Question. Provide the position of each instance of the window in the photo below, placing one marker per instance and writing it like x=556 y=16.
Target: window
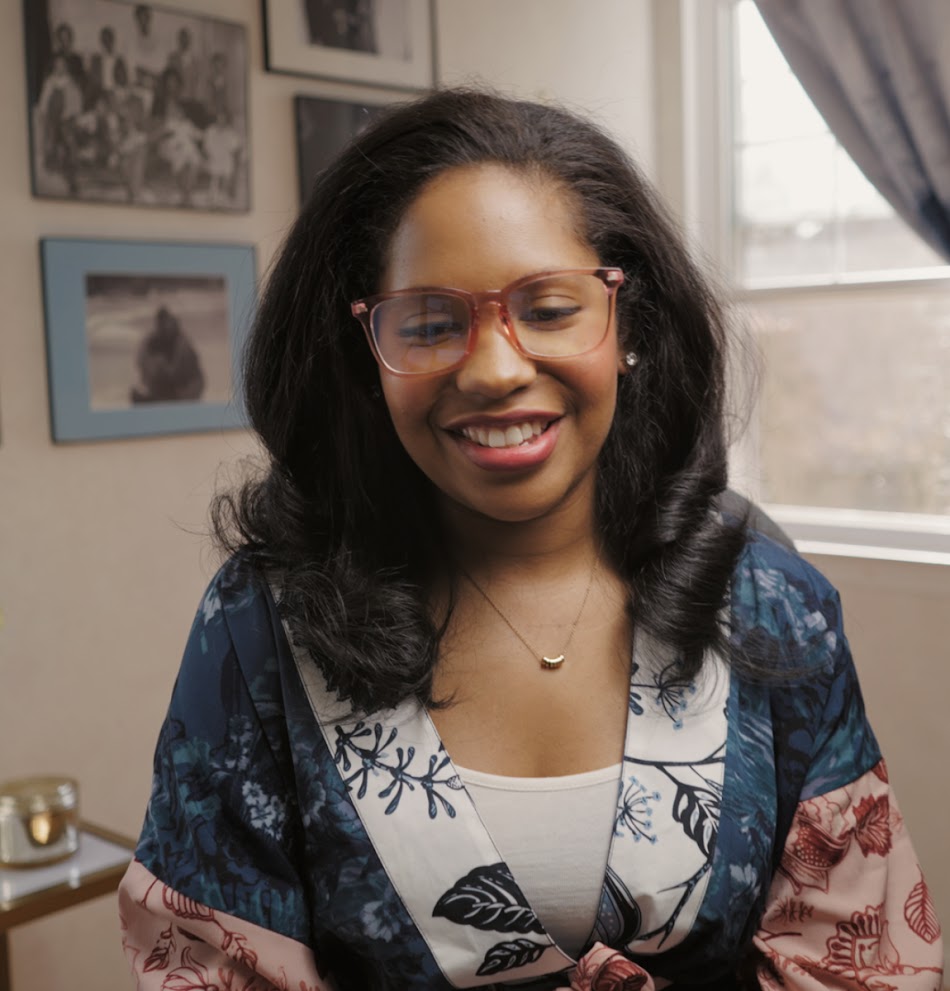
x=803 y=210
x=851 y=309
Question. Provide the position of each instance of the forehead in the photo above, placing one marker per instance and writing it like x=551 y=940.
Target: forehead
x=481 y=227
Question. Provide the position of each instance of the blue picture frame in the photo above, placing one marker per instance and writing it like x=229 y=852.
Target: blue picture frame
x=144 y=283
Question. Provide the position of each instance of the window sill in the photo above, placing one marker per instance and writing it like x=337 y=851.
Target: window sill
x=907 y=537
x=937 y=277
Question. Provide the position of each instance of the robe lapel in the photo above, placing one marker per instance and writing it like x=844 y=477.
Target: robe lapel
x=668 y=806
x=451 y=877
x=437 y=852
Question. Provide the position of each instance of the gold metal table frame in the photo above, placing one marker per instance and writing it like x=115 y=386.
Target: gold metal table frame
x=61 y=894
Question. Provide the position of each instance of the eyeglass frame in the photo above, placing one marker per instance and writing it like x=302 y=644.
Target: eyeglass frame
x=611 y=278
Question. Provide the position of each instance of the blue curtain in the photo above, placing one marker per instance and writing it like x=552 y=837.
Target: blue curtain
x=879 y=73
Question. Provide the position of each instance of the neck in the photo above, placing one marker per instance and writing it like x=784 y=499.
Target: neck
x=561 y=540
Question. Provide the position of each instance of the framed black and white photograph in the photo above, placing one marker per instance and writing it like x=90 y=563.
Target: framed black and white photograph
x=137 y=104
x=324 y=126
x=145 y=338
x=378 y=42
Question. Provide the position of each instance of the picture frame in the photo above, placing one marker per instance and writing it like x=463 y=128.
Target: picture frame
x=375 y=42
x=324 y=125
x=137 y=105
x=145 y=337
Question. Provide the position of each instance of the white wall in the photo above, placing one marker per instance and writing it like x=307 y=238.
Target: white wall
x=100 y=569
x=101 y=566
x=594 y=56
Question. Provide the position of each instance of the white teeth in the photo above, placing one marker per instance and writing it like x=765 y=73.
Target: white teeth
x=512 y=436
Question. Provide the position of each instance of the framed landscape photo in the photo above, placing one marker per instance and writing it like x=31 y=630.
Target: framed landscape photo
x=324 y=125
x=377 y=42
x=137 y=104
x=145 y=338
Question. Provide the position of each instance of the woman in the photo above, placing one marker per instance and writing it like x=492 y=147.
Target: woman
x=490 y=692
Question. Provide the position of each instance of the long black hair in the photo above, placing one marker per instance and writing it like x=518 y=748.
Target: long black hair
x=344 y=522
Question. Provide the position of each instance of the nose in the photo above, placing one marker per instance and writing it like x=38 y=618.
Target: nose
x=495 y=367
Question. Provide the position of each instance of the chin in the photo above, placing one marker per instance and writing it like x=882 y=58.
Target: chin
x=515 y=510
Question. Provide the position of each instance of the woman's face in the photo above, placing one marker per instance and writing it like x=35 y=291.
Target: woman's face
x=479 y=228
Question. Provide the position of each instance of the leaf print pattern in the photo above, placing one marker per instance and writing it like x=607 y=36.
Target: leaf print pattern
x=920 y=913
x=619 y=917
x=161 y=953
x=217 y=953
x=488 y=898
x=239 y=715
x=822 y=938
x=506 y=956
x=184 y=907
x=697 y=811
x=790 y=912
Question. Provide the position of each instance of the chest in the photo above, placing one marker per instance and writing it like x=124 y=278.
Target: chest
x=510 y=716
x=678 y=805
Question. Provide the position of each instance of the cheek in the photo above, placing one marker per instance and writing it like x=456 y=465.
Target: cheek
x=409 y=404
x=597 y=381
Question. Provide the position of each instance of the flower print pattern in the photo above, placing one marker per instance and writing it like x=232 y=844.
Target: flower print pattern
x=266 y=813
x=785 y=611
x=808 y=741
x=861 y=946
x=634 y=815
x=822 y=938
x=362 y=753
x=812 y=851
x=379 y=920
x=668 y=693
x=872 y=829
x=216 y=952
x=606 y=969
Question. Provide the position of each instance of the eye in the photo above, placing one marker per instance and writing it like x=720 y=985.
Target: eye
x=430 y=332
x=548 y=310
x=420 y=321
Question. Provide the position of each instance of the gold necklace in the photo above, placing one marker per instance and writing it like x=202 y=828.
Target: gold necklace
x=547 y=663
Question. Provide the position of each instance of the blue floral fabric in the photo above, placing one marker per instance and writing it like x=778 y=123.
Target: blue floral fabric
x=250 y=813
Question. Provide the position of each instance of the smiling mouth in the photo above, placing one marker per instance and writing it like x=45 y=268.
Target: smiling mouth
x=514 y=435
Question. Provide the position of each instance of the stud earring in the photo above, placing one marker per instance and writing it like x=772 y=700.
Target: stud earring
x=631 y=358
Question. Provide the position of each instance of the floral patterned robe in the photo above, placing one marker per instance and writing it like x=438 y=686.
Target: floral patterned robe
x=756 y=842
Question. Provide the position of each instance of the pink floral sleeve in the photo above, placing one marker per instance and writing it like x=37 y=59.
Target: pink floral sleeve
x=849 y=907
x=174 y=943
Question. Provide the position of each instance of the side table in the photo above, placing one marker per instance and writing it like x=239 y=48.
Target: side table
x=29 y=893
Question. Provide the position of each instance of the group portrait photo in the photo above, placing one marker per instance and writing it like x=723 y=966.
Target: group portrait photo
x=137 y=104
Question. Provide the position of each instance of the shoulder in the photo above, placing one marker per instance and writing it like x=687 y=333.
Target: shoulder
x=783 y=608
x=236 y=634
x=786 y=617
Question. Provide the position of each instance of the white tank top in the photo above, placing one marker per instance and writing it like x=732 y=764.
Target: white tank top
x=554 y=834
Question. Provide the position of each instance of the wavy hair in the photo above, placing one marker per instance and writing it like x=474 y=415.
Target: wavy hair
x=341 y=518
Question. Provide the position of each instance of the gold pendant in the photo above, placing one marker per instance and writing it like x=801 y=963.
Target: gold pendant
x=550 y=663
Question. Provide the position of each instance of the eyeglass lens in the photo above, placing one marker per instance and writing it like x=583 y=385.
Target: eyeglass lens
x=557 y=315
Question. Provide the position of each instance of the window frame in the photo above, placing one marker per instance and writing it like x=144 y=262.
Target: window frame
x=699 y=40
